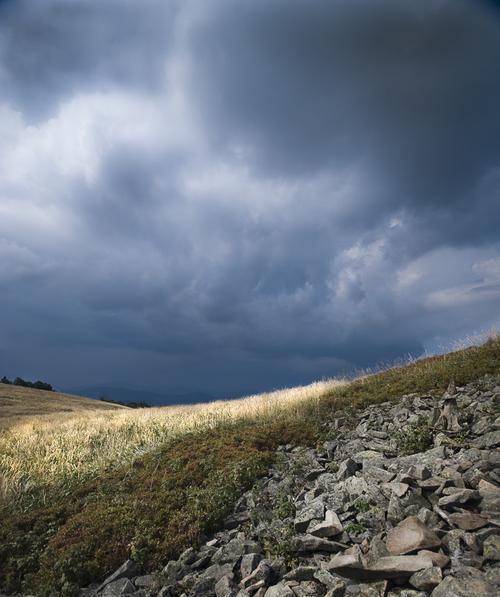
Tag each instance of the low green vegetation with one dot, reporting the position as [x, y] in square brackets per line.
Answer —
[161, 503]
[416, 438]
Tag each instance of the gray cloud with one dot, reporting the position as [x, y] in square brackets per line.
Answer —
[233, 196]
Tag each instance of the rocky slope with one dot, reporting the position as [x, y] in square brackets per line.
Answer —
[404, 500]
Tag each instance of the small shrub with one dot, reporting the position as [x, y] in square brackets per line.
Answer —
[284, 507]
[355, 528]
[414, 438]
[278, 543]
[332, 467]
[363, 505]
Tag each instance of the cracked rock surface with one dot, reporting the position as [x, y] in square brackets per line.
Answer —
[391, 505]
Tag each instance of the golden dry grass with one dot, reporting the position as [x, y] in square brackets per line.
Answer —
[71, 445]
[18, 404]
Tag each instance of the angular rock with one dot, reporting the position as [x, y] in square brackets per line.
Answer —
[279, 590]
[380, 474]
[410, 535]
[491, 548]
[330, 527]
[353, 566]
[347, 468]
[128, 569]
[426, 579]
[373, 589]
[331, 582]
[226, 587]
[148, 580]
[488, 440]
[307, 589]
[459, 497]
[263, 572]
[462, 587]
[437, 558]
[123, 586]
[398, 489]
[419, 472]
[248, 564]
[406, 593]
[398, 566]
[309, 543]
[312, 511]
[468, 521]
[301, 573]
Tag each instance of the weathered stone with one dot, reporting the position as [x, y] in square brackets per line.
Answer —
[145, 581]
[398, 489]
[128, 569]
[419, 472]
[307, 589]
[491, 548]
[174, 570]
[301, 573]
[312, 511]
[279, 590]
[380, 474]
[438, 558]
[426, 579]
[226, 587]
[309, 543]
[352, 565]
[462, 587]
[410, 535]
[488, 440]
[347, 468]
[330, 527]
[364, 455]
[331, 582]
[248, 564]
[373, 589]
[314, 474]
[468, 521]
[459, 497]
[399, 592]
[448, 417]
[123, 586]
[263, 572]
[338, 590]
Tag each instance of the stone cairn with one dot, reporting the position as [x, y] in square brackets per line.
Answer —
[362, 515]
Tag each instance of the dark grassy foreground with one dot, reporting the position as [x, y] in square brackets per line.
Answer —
[165, 502]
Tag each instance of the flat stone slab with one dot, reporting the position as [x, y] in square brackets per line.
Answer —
[468, 521]
[352, 565]
[409, 535]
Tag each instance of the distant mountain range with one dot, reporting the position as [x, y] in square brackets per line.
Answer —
[138, 395]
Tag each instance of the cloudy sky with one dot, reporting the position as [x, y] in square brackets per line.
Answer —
[237, 195]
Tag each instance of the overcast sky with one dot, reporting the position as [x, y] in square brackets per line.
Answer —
[235, 195]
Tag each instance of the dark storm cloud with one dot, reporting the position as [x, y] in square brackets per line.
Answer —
[231, 196]
[391, 86]
[52, 47]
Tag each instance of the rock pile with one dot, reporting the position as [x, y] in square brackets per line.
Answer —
[392, 505]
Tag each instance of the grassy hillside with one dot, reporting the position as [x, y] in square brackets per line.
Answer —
[176, 473]
[19, 404]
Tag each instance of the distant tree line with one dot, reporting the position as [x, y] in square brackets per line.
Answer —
[139, 404]
[19, 381]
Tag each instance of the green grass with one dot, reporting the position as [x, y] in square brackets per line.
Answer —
[165, 501]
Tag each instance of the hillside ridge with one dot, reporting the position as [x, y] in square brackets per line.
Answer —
[19, 403]
[402, 501]
[175, 491]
